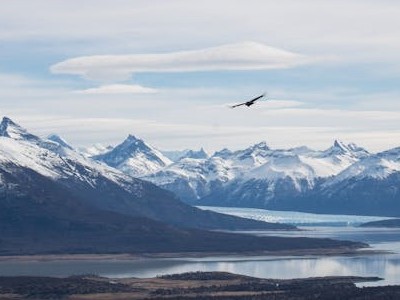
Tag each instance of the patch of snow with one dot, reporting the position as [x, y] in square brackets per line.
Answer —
[95, 149]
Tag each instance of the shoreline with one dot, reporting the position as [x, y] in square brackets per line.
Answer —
[177, 255]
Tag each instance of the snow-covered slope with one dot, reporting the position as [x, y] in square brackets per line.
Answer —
[266, 172]
[341, 179]
[134, 157]
[59, 140]
[187, 153]
[11, 130]
[95, 149]
[44, 172]
[335, 159]
[53, 159]
[370, 186]
[378, 166]
[194, 178]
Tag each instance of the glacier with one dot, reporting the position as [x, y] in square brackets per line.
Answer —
[293, 217]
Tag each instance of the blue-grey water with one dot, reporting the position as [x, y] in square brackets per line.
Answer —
[385, 265]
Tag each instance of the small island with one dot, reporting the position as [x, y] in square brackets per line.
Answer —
[195, 285]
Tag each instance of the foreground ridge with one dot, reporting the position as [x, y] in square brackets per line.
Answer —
[197, 285]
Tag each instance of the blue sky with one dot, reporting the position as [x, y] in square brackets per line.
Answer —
[166, 71]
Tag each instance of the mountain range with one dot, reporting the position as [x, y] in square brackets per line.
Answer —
[344, 179]
[54, 199]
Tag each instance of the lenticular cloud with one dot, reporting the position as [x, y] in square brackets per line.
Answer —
[241, 56]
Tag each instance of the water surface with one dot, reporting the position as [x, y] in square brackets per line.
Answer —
[383, 265]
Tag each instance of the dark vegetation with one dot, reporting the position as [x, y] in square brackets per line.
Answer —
[39, 216]
[198, 285]
[55, 288]
[391, 223]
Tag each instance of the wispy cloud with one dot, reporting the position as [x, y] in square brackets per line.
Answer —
[241, 56]
[184, 135]
[118, 89]
[277, 104]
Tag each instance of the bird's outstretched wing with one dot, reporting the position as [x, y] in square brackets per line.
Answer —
[236, 105]
[248, 103]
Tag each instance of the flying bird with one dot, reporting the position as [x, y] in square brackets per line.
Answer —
[250, 102]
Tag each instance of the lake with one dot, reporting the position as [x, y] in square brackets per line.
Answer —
[383, 265]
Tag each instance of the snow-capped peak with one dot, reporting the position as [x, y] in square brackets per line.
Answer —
[134, 144]
[132, 138]
[340, 148]
[255, 149]
[134, 157]
[261, 145]
[339, 144]
[12, 130]
[178, 155]
[200, 154]
[255, 154]
[59, 140]
[224, 153]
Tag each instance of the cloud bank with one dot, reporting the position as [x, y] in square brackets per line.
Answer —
[118, 89]
[231, 57]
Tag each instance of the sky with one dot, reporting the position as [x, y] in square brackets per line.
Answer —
[95, 71]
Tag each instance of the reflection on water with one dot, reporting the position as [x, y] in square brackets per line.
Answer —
[382, 265]
[360, 234]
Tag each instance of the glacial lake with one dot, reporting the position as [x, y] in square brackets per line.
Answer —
[385, 265]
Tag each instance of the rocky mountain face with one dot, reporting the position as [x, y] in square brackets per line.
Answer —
[134, 157]
[91, 183]
[262, 177]
[370, 186]
[56, 200]
[344, 178]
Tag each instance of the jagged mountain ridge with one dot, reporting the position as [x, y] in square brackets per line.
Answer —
[289, 179]
[256, 175]
[96, 184]
[175, 156]
[370, 186]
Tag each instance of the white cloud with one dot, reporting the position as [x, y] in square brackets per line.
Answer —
[241, 56]
[118, 89]
[276, 104]
[196, 117]
[351, 29]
